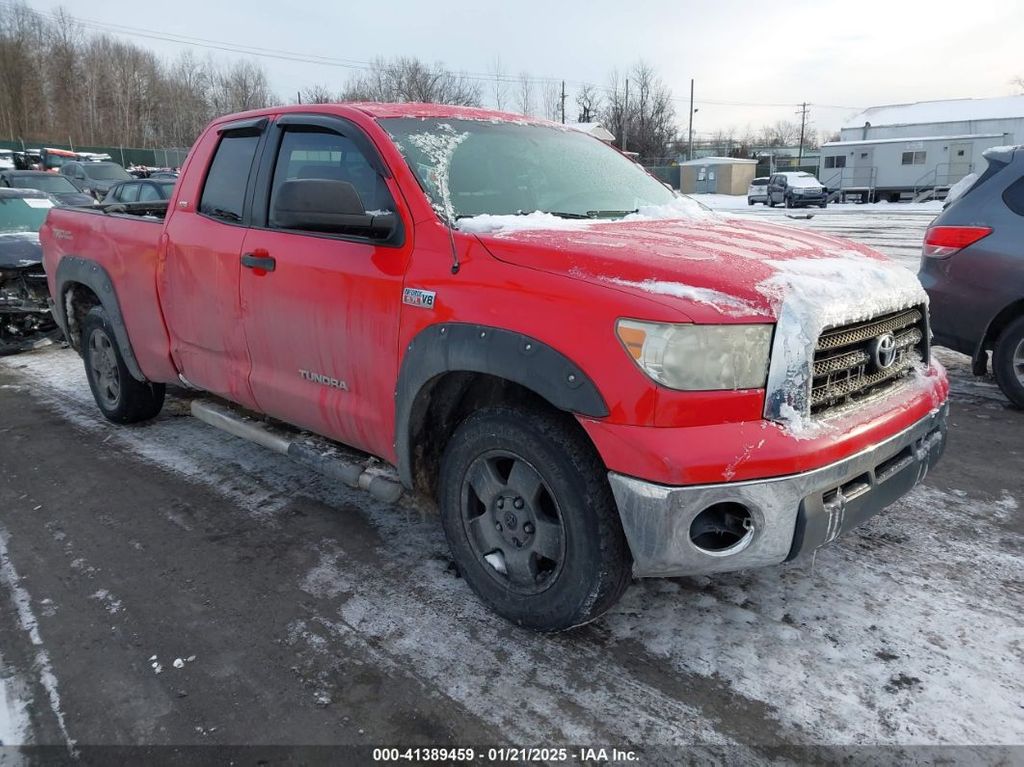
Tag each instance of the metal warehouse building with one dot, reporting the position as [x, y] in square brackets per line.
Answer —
[918, 150]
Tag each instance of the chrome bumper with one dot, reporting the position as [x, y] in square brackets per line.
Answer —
[790, 515]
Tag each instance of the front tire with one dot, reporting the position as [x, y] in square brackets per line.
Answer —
[120, 397]
[1008, 362]
[530, 519]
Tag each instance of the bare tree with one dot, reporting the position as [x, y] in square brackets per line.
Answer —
[408, 79]
[648, 117]
[524, 98]
[588, 101]
[318, 94]
[499, 84]
[551, 97]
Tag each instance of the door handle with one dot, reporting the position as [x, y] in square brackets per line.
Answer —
[259, 259]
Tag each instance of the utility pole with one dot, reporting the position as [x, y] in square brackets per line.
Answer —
[803, 124]
[563, 102]
[299, 95]
[689, 148]
[625, 117]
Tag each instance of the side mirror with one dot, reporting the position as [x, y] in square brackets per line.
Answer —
[329, 206]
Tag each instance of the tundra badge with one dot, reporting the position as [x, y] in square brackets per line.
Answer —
[417, 297]
[323, 380]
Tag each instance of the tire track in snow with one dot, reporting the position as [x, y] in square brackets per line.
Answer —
[27, 622]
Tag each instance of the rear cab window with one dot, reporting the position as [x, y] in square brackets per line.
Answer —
[223, 195]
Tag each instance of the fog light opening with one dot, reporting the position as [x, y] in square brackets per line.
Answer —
[722, 527]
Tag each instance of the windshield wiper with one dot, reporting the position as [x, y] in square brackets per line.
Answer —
[558, 213]
[610, 213]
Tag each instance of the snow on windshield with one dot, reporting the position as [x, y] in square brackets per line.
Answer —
[495, 168]
[804, 181]
[438, 147]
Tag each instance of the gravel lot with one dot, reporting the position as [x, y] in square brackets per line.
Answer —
[306, 613]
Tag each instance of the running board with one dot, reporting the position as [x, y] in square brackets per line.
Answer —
[321, 456]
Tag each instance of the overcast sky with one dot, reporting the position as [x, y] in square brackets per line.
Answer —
[839, 56]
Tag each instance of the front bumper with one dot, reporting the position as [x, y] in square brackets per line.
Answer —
[790, 515]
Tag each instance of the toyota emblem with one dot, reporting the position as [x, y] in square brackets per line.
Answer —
[883, 351]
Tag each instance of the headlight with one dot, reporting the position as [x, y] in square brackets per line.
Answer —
[699, 357]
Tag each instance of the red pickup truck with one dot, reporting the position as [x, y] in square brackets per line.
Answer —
[596, 378]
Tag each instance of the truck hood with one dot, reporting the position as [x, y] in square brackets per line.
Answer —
[714, 268]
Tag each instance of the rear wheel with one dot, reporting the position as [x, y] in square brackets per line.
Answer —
[120, 397]
[1008, 362]
[531, 520]
[770, 202]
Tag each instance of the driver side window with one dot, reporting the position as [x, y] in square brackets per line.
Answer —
[323, 154]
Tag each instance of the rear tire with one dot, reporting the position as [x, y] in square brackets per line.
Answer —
[1008, 362]
[530, 519]
[120, 397]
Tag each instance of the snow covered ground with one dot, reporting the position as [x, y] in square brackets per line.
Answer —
[907, 631]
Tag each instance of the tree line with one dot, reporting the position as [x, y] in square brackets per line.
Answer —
[61, 84]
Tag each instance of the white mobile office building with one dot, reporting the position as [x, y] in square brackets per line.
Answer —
[918, 150]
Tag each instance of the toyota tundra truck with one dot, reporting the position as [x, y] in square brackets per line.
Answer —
[596, 378]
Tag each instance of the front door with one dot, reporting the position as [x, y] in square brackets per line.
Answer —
[863, 175]
[322, 314]
[960, 160]
[201, 269]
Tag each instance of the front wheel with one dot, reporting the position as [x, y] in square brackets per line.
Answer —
[530, 519]
[119, 396]
[1008, 362]
[770, 202]
[789, 201]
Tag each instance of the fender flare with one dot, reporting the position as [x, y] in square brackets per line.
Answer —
[463, 347]
[73, 269]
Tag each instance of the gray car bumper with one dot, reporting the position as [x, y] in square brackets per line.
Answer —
[788, 515]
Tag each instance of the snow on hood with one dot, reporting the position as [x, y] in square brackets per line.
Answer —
[708, 266]
[680, 208]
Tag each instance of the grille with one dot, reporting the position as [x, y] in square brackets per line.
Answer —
[844, 362]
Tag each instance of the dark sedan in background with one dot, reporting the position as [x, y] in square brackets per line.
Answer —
[973, 269]
[94, 178]
[25, 319]
[142, 190]
[55, 185]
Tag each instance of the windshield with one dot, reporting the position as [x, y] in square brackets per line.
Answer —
[470, 167]
[48, 183]
[23, 214]
[804, 180]
[104, 172]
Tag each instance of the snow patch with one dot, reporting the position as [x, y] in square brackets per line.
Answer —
[30, 625]
[722, 302]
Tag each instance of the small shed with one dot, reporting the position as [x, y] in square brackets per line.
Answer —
[597, 130]
[716, 175]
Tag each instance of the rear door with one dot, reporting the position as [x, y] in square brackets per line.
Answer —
[199, 279]
[322, 326]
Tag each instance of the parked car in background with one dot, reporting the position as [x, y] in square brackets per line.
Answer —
[796, 189]
[171, 174]
[6, 159]
[57, 186]
[758, 190]
[972, 267]
[95, 178]
[140, 190]
[25, 318]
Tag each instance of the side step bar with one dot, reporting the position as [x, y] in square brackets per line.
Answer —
[321, 457]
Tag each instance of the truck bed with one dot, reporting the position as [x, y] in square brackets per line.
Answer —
[123, 239]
